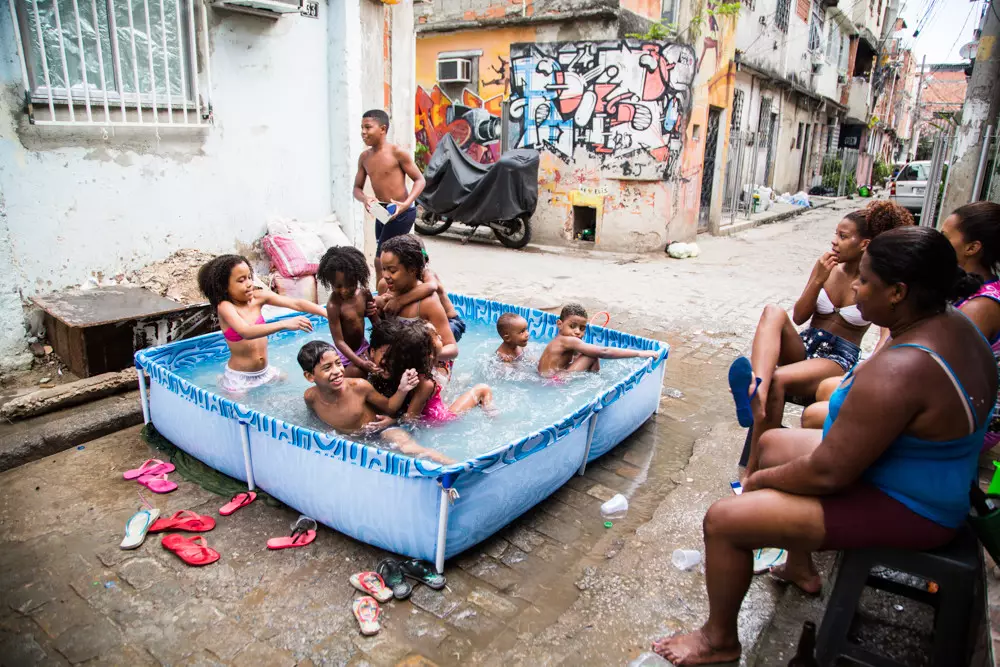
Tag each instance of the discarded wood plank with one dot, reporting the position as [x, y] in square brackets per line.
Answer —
[66, 395]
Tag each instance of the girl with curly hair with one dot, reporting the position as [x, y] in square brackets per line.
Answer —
[785, 361]
[344, 271]
[227, 281]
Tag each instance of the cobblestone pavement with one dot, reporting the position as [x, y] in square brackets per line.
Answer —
[555, 587]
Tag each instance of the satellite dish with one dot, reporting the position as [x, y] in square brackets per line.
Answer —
[969, 50]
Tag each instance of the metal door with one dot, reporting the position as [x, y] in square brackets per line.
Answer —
[708, 167]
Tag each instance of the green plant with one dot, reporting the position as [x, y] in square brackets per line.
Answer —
[421, 156]
[881, 172]
[660, 32]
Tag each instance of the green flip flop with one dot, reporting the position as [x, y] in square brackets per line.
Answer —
[420, 571]
[392, 574]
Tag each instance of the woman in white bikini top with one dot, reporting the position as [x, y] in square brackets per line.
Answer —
[851, 314]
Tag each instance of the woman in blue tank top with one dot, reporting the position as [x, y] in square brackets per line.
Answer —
[895, 461]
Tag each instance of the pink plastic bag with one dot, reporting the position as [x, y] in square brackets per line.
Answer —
[287, 257]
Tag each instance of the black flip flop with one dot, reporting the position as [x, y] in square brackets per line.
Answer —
[392, 575]
[421, 571]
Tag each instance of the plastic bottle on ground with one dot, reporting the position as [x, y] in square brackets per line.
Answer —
[615, 508]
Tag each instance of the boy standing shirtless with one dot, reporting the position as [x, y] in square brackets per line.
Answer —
[386, 165]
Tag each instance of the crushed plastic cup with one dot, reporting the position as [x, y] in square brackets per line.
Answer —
[615, 508]
[649, 659]
[685, 559]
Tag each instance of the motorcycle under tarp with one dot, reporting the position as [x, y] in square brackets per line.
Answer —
[463, 190]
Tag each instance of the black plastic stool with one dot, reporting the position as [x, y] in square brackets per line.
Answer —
[956, 568]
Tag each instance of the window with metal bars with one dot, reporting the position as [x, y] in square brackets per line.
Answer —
[737, 110]
[816, 26]
[781, 13]
[125, 62]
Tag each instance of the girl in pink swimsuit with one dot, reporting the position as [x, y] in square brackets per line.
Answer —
[415, 347]
[227, 282]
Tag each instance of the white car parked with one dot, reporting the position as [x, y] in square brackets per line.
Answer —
[910, 186]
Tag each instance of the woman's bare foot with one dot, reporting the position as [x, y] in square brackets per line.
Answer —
[805, 578]
[695, 649]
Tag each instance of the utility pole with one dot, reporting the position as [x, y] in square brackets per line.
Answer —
[982, 102]
[911, 149]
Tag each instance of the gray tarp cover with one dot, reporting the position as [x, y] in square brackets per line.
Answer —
[460, 189]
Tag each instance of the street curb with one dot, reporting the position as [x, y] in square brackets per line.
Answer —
[36, 438]
[730, 230]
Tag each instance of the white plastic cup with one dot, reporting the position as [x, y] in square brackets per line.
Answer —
[685, 559]
[615, 508]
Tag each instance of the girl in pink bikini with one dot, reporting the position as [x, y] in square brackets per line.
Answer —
[227, 282]
[415, 347]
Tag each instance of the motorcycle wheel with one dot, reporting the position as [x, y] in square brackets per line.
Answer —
[430, 225]
[514, 233]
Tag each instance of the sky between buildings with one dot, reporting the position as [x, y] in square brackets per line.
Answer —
[946, 26]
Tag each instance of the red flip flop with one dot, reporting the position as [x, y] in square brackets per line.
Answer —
[238, 501]
[192, 550]
[185, 520]
[150, 467]
[157, 483]
[303, 533]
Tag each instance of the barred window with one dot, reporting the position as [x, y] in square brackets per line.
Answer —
[781, 15]
[737, 110]
[816, 26]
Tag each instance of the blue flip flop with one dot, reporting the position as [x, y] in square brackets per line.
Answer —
[740, 377]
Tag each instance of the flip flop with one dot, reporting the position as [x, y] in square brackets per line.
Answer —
[150, 467]
[372, 584]
[740, 377]
[392, 575]
[157, 483]
[768, 557]
[367, 611]
[185, 520]
[238, 501]
[736, 487]
[137, 526]
[192, 550]
[303, 533]
[420, 571]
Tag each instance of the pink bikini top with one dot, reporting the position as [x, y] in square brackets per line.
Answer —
[234, 337]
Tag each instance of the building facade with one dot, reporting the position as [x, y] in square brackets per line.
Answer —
[631, 131]
[116, 150]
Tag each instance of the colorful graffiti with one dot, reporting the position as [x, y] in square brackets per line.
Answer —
[474, 124]
[626, 102]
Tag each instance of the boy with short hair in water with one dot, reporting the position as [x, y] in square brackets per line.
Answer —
[387, 165]
[568, 352]
[513, 330]
[349, 404]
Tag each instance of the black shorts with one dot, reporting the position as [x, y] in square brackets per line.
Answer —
[398, 226]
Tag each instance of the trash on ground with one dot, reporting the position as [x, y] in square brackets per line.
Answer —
[679, 250]
[685, 559]
[615, 508]
[648, 659]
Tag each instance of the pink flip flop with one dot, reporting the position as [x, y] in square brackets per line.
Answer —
[238, 501]
[372, 584]
[303, 533]
[150, 467]
[157, 483]
[367, 611]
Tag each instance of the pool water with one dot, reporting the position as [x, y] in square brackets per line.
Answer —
[525, 401]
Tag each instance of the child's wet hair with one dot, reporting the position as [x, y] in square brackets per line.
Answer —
[408, 250]
[572, 310]
[411, 347]
[311, 353]
[213, 277]
[383, 332]
[505, 323]
[379, 116]
[347, 260]
[423, 249]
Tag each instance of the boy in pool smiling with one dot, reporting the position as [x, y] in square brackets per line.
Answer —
[568, 352]
[349, 404]
[513, 330]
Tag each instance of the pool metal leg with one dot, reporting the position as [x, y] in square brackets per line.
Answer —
[442, 531]
[143, 396]
[245, 436]
[590, 439]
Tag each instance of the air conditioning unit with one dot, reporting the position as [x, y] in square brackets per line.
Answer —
[817, 68]
[268, 8]
[454, 70]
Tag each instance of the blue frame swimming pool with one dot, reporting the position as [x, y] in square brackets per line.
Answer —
[411, 507]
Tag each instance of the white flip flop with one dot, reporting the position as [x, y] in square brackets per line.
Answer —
[137, 527]
[768, 557]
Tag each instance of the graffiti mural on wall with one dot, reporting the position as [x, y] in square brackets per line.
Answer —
[626, 102]
[474, 123]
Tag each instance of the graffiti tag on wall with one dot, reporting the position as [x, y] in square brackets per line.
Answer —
[474, 123]
[626, 102]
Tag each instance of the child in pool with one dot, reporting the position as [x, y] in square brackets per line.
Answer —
[415, 347]
[513, 330]
[227, 281]
[391, 304]
[349, 404]
[344, 271]
[568, 352]
[403, 263]
[383, 334]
